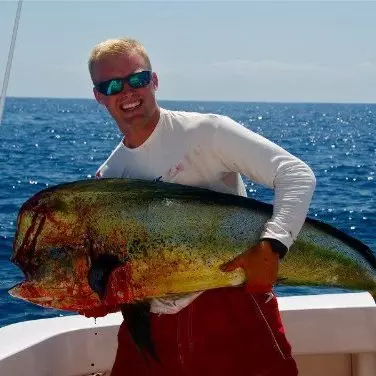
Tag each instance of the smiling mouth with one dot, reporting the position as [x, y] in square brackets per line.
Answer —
[128, 107]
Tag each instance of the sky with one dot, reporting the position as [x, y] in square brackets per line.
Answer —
[296, 51]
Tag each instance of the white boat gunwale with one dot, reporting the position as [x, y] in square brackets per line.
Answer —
[333, 334]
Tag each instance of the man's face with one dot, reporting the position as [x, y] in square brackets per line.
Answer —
[131, 107]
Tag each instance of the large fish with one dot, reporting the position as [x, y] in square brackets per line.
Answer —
[168, 239]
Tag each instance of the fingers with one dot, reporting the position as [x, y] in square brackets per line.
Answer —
[260, 265]
[232, 265]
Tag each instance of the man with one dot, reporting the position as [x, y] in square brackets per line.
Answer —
[227, 331]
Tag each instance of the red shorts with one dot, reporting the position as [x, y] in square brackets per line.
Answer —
[222, 332]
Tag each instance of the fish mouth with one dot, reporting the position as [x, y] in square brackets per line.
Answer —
[31, 293]
[56, 298]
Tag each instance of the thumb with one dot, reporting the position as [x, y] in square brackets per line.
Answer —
[236, 263]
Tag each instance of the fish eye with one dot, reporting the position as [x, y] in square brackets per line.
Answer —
[58, 205]
[57, 253]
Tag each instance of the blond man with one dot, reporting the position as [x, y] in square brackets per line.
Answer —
[226, 331]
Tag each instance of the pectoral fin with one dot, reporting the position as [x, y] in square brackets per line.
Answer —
[137, 317]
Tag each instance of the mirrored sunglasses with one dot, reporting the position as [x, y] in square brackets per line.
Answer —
[116, 85]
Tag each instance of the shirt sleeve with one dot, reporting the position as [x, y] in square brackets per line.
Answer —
[264, 162]
[113, 167]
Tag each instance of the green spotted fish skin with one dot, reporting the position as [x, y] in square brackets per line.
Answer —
[169, 239]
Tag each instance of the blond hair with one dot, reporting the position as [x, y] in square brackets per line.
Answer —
[116, 47]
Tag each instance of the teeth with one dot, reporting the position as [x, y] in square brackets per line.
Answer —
[128, 106]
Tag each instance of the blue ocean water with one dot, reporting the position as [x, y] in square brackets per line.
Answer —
[50, 141]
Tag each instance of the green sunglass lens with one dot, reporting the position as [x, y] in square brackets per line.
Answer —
[115, 86]
[140, 79]
[136, 81]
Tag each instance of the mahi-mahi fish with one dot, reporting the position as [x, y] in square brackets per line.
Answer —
[167, 239]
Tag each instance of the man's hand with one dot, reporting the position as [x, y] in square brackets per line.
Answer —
[260, 264]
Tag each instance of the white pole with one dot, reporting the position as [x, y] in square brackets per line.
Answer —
[9, 61]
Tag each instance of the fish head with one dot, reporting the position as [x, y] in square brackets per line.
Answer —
[51, 248]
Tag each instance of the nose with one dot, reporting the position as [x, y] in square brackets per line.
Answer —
[128, 90]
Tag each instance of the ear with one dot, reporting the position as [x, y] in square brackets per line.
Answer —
[98, 96]
[154, 80]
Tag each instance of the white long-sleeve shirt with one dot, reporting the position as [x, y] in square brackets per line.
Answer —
[213, 151]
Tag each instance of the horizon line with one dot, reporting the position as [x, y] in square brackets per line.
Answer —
[209, 101]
